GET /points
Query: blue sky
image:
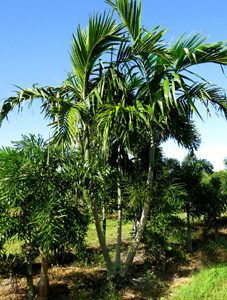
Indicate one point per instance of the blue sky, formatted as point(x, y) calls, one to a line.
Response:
point(35, 45)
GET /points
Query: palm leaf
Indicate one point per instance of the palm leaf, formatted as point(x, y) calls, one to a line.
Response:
point(191, 50)
point(70, 120)
point(88, 46)
point(129, 12)
point(151, 43)
point(50, 97)
point(206, 93)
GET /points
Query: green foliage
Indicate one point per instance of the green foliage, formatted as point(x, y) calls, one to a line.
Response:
point(165, 229)
point(153, 286)
point(111, 291)
point(213, 200)
point(38, 198)
point(206, 192)
point(207, 284)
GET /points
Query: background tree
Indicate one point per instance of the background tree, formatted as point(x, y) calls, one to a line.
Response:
point(213, 201)
point(192, 173)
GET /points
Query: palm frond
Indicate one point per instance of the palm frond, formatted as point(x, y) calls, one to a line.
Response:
point(215, 53)
point(208, 94)
point(121, 121)
point(129, 12)
point(71, 118)
point(50, 97)
point(191, 50)
point(151, 43)
point(124, 52)
point(88, 46)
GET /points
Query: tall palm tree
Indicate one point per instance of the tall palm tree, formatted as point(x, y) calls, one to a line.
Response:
point(125, 82)
point(71, 107)
point(168, 88)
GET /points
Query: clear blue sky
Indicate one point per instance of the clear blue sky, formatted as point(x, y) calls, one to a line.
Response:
point(35, 45)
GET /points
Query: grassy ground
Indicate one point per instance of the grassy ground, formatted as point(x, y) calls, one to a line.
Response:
point(14, 246)
point(206, 268)
point(111, 233)
point(209, 283)
point(204, 275)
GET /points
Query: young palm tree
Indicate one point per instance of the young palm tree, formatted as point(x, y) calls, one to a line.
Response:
point(35, 187)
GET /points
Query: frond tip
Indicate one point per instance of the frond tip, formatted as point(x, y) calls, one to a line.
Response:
point(102, 34)
point(129, 12)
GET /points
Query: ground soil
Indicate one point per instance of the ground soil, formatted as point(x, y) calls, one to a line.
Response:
point(78, 281)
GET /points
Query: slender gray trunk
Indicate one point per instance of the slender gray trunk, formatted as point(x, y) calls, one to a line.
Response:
point(119, 228)
point(135, 226)
point(101, 238)
point(94, 208)
point(29, 277)
point(119, 219)
point(44, 281)
point(146, 207)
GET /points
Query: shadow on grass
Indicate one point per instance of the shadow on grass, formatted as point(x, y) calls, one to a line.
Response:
point(87, 279)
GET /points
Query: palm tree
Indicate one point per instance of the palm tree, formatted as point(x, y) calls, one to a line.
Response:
point(71, 107)
point(35, 187)
point(143, 87)
point(167, 87)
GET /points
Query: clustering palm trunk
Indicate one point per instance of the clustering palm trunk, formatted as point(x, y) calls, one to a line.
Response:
point(119, 217)
point(101, 237)
point(146, 207)
point(116, 268)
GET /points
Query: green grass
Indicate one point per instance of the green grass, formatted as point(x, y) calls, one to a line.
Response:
point(208, 284)
point(13, 246)
point(111, 233)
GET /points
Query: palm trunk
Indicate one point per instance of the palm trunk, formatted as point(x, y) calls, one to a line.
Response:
point(135, 225)
point(101, 237)
point(44, 281)
point(119, 228)
point(145, 210)
point(94, 208)
point(29, 277)
point(119, 218)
